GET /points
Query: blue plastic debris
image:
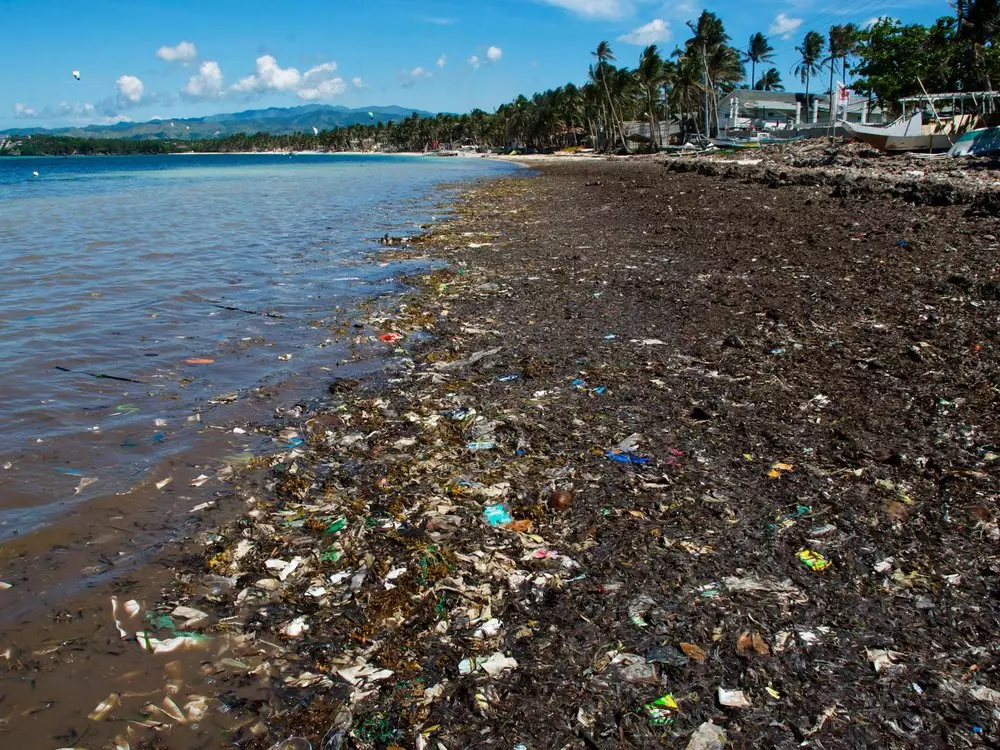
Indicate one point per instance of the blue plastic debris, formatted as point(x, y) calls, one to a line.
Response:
point(497, 515)
point(902, 243)
point(294, 442)
point(481, 445)
point(159, 437)
point(508, 378)
point(626, 457)
point(71, 472)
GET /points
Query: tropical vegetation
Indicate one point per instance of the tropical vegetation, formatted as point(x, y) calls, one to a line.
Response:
point(618, 108)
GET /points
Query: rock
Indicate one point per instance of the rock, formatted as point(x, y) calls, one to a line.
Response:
point(734, 342)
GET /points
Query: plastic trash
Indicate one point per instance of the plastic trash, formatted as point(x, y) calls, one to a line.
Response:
point(813, 560)
point(708, 736)
point(390, 338)
point(497, 515)
point(661, 711)
point(626, 457)
point(199, 361)
point(293, 743)
point(733, 699)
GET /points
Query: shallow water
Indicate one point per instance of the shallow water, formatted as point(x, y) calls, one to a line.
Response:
point(131, 266)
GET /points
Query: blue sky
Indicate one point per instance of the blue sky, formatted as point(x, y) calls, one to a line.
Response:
point(140, 60)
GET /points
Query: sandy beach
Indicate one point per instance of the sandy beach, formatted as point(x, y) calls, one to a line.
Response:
point(659, 457)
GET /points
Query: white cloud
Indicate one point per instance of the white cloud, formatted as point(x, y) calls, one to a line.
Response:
point(442, 61)
point(441, 21)
point(183, 52)
point(321, 82)
point(611, 9)
point(493, 54)
point(21, 111)
point(784, 26)
point(655, 31)
point(475, 62)
point(408, 78)
point(358, 81)
point(208, 82)
point(270, 77)
point(328, 89)
point(129, 89)
point(320, 72)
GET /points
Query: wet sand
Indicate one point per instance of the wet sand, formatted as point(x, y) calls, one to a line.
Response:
point(744, 437)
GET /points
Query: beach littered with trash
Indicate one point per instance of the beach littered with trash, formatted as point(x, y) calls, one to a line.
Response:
point(659, 459)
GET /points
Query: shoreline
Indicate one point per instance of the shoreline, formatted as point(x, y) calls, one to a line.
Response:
point(670, 404)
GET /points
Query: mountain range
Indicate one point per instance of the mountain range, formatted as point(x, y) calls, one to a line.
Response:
point(274, 120)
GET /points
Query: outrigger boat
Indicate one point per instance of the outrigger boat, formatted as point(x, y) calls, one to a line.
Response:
point(933, 131)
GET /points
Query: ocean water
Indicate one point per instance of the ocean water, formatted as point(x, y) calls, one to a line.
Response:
point(138, 267)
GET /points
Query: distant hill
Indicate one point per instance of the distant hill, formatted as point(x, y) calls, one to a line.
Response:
point(274, 120)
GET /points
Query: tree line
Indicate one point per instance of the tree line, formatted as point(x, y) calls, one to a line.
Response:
point(884, 61)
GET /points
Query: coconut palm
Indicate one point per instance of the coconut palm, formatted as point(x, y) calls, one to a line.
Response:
point(687, 85)
point(843, 38)
point(770, 81)
point(604, 56)
point(650, 74)
point(979, 26)
point(759, 50)
point(809, 64)
point(709, 45)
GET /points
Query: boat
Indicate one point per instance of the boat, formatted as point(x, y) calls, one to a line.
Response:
point(930, 122)
point(979, 142)
point(911, 134)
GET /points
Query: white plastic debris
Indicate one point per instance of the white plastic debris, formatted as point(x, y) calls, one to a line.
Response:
point(105, 707)
point(491, 665)
point(733, 698)
point(489, 628)
point(296, 627)
point(190, 616)
point(884, 660)
point(171, 645)
point(708, 736)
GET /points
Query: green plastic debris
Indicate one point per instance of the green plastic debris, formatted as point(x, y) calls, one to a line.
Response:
point(158, 622)
point(339, 525)
point(813, 560)
point(661, 711)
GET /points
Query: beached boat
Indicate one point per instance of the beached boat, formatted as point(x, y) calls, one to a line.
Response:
point(911, 134)
point(980, 142)
point(931, 122)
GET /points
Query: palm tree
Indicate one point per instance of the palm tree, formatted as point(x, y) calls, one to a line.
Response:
point(978, 26)
point(809, 64)
point(650, 75)
point(770, 81)
point(842, 40)
point(604, 55)
point(758, 50)
point(709, 33)
point(687, 85)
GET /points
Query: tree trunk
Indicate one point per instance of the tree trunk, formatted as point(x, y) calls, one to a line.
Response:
point(753, 76)
point(833, 98)
point(652, 120)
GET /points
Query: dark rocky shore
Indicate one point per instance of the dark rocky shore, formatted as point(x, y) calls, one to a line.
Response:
point(651, 435)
